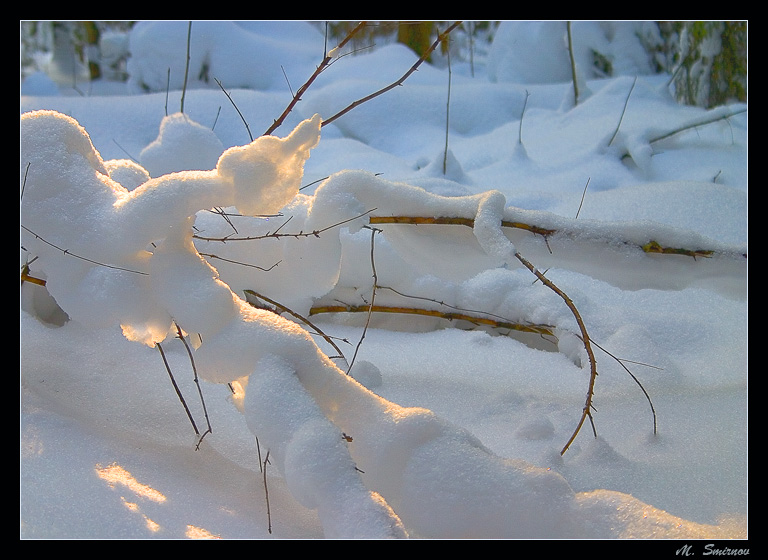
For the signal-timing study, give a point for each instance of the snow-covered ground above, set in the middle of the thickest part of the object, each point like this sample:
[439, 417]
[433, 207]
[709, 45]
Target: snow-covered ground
[444, 428]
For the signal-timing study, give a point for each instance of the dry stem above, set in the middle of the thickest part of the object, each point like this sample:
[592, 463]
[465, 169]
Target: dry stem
[449, 316]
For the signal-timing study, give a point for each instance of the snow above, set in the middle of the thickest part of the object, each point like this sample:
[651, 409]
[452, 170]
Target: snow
[440, 429]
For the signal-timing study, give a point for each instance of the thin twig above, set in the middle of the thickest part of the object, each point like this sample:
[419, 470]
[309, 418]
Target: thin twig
[242, 118]
[301, 318]
[502, 321]
[276, 235]
[186, 68]
[522, 114]
[86, 259]
[623, 112]
[24, 181]
[176, 388]
[583, 194]
[374, 231]
[573, 65]
[232, 261]
[636, 380]
[266, 494]
[197, 382]
[695, 124]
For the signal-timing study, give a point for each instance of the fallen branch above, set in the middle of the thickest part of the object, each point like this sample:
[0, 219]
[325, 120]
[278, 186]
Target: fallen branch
[447, 315]
[651, 247]
[470, 222]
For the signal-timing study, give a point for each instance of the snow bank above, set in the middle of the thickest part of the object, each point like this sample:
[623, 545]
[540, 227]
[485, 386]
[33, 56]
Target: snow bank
[369, 467]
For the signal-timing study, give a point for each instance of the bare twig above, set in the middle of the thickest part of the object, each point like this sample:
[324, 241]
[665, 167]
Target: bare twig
[479, 317]
[242, 118]
[24, 181]
[266, 493]
[636, 380]
[186, 68]
[197, 382]
[703, 122]
[399, 82]
[301, 318]
[573, 65]
[86, 259]
[583, 194]
[374, 231]
[623, 112]
[650, 247]
[176, 388]
[522, 114]
[323, 65]
[276, 235]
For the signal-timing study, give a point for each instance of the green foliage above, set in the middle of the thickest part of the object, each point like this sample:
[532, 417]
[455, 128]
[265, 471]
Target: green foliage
[708, 60]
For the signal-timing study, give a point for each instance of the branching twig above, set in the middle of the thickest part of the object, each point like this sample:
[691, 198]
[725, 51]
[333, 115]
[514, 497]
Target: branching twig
[197, 382]
[636, 380]
[276, 235]
[323, 65]
[399, 82]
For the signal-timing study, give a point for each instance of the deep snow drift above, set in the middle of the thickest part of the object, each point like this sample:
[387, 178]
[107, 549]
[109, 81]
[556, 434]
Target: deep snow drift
[440, 428]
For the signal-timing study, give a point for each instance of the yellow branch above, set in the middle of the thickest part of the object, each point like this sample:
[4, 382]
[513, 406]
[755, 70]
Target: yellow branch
[416, 220]
[538, 329]
[650, 247]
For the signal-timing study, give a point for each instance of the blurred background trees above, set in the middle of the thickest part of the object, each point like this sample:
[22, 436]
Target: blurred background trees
[707, 60]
